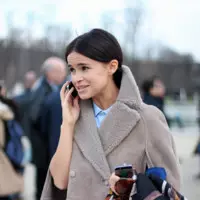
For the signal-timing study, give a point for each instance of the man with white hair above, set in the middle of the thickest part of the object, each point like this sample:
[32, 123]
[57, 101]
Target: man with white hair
[54, 70]
[54, 73]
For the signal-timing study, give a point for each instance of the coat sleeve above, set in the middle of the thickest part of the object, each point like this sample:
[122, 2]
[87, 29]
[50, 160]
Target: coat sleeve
[10, 182]
[50, 191]
[160, 145]
[5, 112]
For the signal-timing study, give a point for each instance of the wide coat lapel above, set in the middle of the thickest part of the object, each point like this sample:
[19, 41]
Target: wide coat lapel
[124, 114]
[88, 140]
[118, 124]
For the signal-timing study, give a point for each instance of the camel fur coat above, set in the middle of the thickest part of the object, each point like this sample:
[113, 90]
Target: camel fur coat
[10, 181]
[132, 133]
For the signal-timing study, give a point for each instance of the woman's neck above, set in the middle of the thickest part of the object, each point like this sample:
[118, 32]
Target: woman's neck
[107, 98]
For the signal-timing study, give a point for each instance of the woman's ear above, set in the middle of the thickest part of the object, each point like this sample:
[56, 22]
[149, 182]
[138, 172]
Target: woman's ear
[113, 66]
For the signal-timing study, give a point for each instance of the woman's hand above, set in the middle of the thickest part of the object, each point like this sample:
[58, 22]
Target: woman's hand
[112, 181]
[70, 105]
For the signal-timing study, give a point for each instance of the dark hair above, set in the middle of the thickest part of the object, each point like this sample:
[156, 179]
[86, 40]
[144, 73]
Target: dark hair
[149, 84]
[101, 46]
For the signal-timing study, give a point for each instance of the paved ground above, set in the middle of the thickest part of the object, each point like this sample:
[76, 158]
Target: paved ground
[185, 141]
[190, 166]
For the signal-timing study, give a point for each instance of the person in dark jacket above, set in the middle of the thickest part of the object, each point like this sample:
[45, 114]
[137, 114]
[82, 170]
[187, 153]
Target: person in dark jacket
[154, 94]
[54, 71]
[51, 120]
[23, 100]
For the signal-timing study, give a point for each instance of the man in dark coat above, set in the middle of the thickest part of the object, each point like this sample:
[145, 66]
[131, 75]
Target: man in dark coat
[23, 101]
[51, 119]
[54, 72]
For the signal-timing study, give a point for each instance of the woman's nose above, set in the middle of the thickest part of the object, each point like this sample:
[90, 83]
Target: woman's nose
[77, 78]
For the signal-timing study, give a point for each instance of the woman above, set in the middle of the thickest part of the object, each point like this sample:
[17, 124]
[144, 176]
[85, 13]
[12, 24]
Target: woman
[154, 94]
[11, 182]
[106, 125]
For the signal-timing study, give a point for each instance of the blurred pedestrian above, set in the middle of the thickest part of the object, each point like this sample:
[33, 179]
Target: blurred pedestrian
[11, 179]
[54, 72]
[154, 94]
[196, 152]
[197, 146]
[51, 119]
[24, 100]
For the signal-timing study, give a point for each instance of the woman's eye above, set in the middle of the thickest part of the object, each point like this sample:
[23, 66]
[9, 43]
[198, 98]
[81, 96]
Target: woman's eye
[71, 70]
[84, 68]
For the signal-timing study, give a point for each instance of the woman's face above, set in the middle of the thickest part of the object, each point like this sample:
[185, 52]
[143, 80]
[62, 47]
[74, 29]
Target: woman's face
[158, 89]
[89, 77]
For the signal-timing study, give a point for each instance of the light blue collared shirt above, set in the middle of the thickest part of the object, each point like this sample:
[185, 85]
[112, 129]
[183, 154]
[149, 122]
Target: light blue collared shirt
[100, 114]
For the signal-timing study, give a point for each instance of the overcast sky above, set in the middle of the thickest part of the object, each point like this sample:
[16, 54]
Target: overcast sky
[171, 22]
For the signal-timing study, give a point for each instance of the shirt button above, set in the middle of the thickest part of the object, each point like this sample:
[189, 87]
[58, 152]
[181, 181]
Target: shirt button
[72, 174]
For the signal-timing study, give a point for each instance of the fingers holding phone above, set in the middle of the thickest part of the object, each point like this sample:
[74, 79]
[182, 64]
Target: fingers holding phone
[112, 182]
[121, 181]
[70, 104]
[74, 92]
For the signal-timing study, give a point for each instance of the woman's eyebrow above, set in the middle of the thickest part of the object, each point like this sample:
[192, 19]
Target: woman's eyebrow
[82, 64]
[79, 64]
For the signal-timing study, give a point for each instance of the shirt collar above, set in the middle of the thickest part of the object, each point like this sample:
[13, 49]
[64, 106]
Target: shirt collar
[97, 110]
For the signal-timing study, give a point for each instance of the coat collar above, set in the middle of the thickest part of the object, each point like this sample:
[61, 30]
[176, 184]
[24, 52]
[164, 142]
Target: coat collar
[117, 125]
[129, 92]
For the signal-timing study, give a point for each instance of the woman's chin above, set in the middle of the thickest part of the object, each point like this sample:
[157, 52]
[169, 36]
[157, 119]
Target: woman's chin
[84, 96]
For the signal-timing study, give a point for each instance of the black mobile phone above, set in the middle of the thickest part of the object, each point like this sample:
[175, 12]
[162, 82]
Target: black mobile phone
[124, 171]
[74, 93]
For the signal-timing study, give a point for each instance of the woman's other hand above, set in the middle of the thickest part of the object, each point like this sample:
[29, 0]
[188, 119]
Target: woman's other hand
[112, 181]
